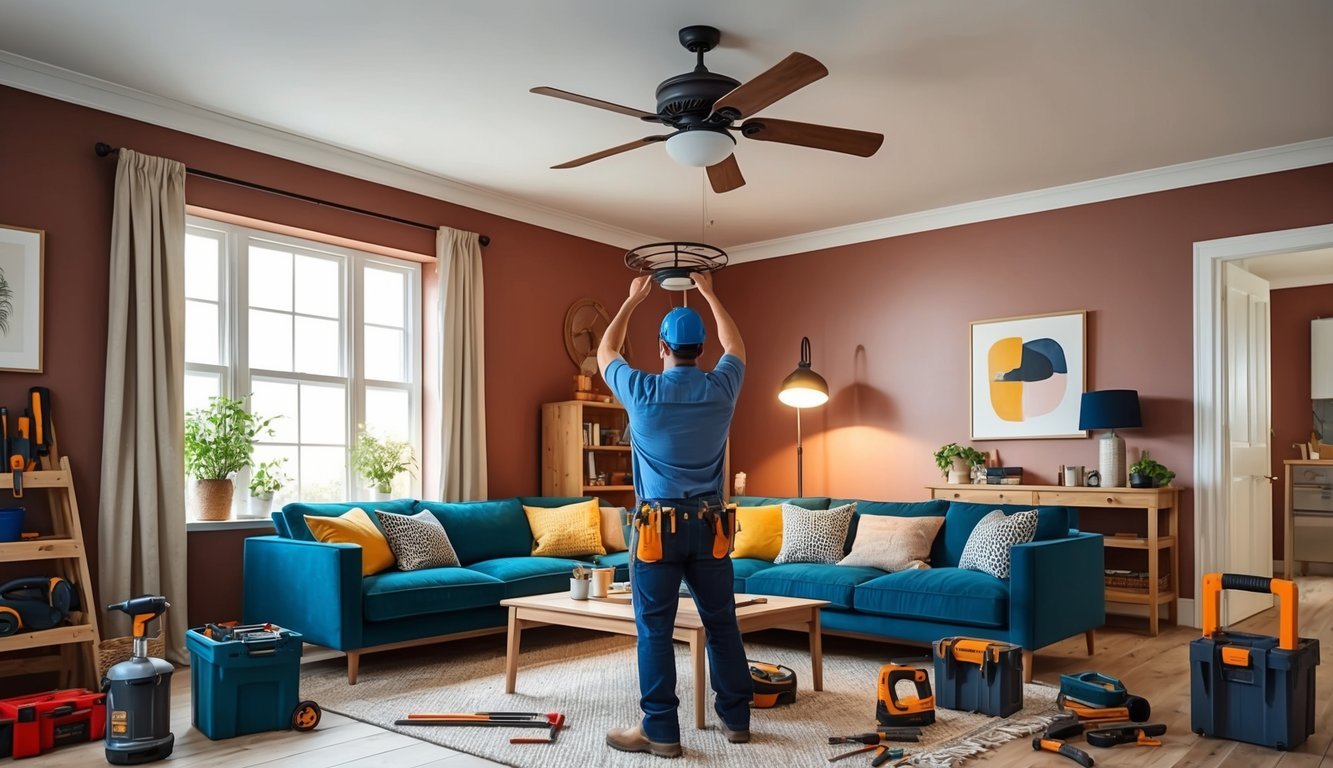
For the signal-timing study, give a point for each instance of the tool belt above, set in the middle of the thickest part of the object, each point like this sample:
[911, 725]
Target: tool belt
[651, 521]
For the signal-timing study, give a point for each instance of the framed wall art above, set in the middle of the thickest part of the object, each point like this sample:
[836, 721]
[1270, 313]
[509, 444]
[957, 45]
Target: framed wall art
[21, 255]
[1027, 376]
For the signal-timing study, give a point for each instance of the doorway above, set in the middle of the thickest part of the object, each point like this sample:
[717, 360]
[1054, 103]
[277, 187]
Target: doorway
[1220, 528]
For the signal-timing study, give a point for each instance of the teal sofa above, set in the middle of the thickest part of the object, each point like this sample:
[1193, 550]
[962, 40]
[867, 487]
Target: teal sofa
[1055, 590]
[1056, 587]
[317, 589]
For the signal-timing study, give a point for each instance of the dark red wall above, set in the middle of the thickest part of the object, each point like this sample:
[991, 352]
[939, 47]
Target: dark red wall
[54, 181]
[888, 323]
[1292, 309]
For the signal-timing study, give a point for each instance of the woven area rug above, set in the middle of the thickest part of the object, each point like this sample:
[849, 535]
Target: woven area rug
[592, 679]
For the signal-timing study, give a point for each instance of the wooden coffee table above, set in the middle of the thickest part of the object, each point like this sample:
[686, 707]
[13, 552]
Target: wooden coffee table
[617, 616]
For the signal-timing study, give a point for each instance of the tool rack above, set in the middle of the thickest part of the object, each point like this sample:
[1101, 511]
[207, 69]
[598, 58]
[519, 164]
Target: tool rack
[76, 643]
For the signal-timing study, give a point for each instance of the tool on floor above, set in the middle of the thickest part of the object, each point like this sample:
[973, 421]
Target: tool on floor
[1140, 733]
[982, 676]
[138, 693]
[1102, 697]
[773, 684]
[854, 752]
[886, 753]
[37, 723]
[1053, 739]
[875, 737]
[1136, 709]
[891, 709]
[1253, 688]
[552, 721]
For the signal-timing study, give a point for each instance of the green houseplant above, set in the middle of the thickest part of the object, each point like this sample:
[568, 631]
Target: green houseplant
[1147, 473]
[266, 480]
[956, 461]
[219, 442]
[380, 461]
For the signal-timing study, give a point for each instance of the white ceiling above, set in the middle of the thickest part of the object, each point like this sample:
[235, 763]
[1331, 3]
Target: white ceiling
[1294, 270]
[977, 100]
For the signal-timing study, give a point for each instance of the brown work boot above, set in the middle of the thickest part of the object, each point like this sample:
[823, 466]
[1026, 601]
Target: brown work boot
[735, 737]
[632, 740]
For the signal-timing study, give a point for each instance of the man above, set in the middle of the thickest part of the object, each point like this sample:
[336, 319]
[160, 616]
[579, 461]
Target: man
[678, 423]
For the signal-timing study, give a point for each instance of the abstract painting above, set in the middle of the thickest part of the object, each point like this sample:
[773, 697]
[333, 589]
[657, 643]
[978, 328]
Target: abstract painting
[1027, 376]
[21, 299]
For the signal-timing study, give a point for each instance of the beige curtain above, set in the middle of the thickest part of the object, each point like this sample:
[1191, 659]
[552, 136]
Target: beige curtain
[461, 379]
[141, 515]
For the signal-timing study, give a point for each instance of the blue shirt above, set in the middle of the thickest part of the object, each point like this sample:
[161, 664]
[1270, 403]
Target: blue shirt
[678, 424]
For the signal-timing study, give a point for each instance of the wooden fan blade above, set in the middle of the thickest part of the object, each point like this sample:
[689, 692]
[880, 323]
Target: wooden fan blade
[645, 141]
[779, 81]
[726, 175]
[591, 102]
[862, 143]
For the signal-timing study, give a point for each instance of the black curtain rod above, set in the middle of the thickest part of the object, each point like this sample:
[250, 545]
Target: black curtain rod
[103, 150]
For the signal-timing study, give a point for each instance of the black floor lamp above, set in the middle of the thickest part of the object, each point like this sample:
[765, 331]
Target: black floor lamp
[803, 389]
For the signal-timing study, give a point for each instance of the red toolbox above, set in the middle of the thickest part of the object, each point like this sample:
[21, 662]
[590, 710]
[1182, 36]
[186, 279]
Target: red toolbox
[43, 721]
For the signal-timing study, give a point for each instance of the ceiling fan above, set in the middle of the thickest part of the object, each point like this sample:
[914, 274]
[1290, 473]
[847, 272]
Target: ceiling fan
[703, 107]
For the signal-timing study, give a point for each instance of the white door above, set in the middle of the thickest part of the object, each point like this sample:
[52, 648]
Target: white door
[1250, 501]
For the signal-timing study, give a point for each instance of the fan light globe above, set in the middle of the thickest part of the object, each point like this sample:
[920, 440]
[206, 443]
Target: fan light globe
[700, 148]
[677, 283]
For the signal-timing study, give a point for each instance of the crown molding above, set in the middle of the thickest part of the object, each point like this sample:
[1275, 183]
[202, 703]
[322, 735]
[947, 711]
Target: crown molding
[69, 86]
[1254, 163]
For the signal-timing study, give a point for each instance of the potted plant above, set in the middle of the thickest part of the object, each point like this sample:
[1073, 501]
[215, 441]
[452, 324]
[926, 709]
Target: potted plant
[266, 480]
[219, 442]
[1147, 473]
[380, 461]
[579, 580]
[956, 462]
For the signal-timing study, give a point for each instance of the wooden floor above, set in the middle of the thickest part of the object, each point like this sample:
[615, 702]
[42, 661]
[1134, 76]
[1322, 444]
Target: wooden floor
[1156, 668]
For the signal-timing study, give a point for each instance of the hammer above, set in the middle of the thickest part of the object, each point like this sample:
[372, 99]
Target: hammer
[557, 721]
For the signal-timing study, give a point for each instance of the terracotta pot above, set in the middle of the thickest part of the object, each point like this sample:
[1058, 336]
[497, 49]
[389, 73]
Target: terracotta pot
[212, 499]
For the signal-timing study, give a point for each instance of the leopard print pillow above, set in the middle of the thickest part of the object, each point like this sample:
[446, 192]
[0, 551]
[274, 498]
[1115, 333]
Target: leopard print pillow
[987, 548]
[418, 541]
[814, 535]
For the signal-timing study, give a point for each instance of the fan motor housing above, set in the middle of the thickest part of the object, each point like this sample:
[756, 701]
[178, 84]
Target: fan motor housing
[689, 98]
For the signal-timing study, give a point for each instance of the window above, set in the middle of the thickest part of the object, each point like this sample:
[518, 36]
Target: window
[327, 339]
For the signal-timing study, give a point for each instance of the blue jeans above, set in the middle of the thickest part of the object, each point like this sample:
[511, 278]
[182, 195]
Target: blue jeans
[687, 554]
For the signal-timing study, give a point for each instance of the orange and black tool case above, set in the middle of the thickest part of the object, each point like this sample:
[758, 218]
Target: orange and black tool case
[1253, 688]
[979, 676]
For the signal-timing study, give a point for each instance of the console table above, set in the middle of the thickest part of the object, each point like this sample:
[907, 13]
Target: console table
[1161, 505]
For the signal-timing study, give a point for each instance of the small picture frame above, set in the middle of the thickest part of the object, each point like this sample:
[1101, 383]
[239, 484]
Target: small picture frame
[21, 263]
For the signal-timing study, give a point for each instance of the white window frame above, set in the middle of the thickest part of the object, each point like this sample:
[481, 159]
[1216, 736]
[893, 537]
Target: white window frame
[234, 306]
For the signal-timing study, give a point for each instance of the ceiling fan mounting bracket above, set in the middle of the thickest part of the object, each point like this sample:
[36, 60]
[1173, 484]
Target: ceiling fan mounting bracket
[699, 38]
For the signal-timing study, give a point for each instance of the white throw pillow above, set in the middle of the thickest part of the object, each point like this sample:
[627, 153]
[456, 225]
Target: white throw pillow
[814, 535]
[987, 548]
[892, 543]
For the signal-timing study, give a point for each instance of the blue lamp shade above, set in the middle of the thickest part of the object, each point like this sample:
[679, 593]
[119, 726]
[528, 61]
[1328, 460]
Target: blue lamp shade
[1110, 409]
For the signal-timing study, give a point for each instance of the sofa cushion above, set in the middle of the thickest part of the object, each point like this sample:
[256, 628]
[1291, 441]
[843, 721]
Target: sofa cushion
[742, 568]
[418, 541]
[758, 532]
[483, 530]
[529, 575]
[962, 517]
[892, 543]
[814, 535]
[814, 581]
[987, 548]
[569, 531]
[617, 560]
[355, 527]
[949, 595]
[294, 513]
[613, 528]
[810, 502]
[398, 594]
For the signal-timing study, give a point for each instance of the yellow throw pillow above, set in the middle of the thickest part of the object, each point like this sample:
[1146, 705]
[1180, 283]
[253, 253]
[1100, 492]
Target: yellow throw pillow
[613, 529]
[568, 531]
[760, 535]
[354, 527]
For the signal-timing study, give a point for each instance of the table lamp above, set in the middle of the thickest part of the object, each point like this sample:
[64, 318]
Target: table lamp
[803, 389]
[1111, 409]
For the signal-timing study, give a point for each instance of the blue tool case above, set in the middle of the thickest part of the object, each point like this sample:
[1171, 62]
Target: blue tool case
[249, 683]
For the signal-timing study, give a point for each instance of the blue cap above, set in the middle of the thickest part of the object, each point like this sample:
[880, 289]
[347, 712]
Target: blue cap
[682, 327]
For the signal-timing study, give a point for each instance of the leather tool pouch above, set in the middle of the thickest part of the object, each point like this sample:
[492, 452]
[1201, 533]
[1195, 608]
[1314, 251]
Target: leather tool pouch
[648, 533]
[724, 530]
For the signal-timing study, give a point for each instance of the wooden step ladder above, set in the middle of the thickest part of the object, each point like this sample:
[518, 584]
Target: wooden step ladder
[63, 554]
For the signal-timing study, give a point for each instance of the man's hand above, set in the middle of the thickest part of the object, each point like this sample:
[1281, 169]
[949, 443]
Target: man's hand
[704, 282]
[639, 289]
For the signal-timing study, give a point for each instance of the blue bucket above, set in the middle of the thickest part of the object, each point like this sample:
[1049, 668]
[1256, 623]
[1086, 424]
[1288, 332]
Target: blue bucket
[11, 523]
